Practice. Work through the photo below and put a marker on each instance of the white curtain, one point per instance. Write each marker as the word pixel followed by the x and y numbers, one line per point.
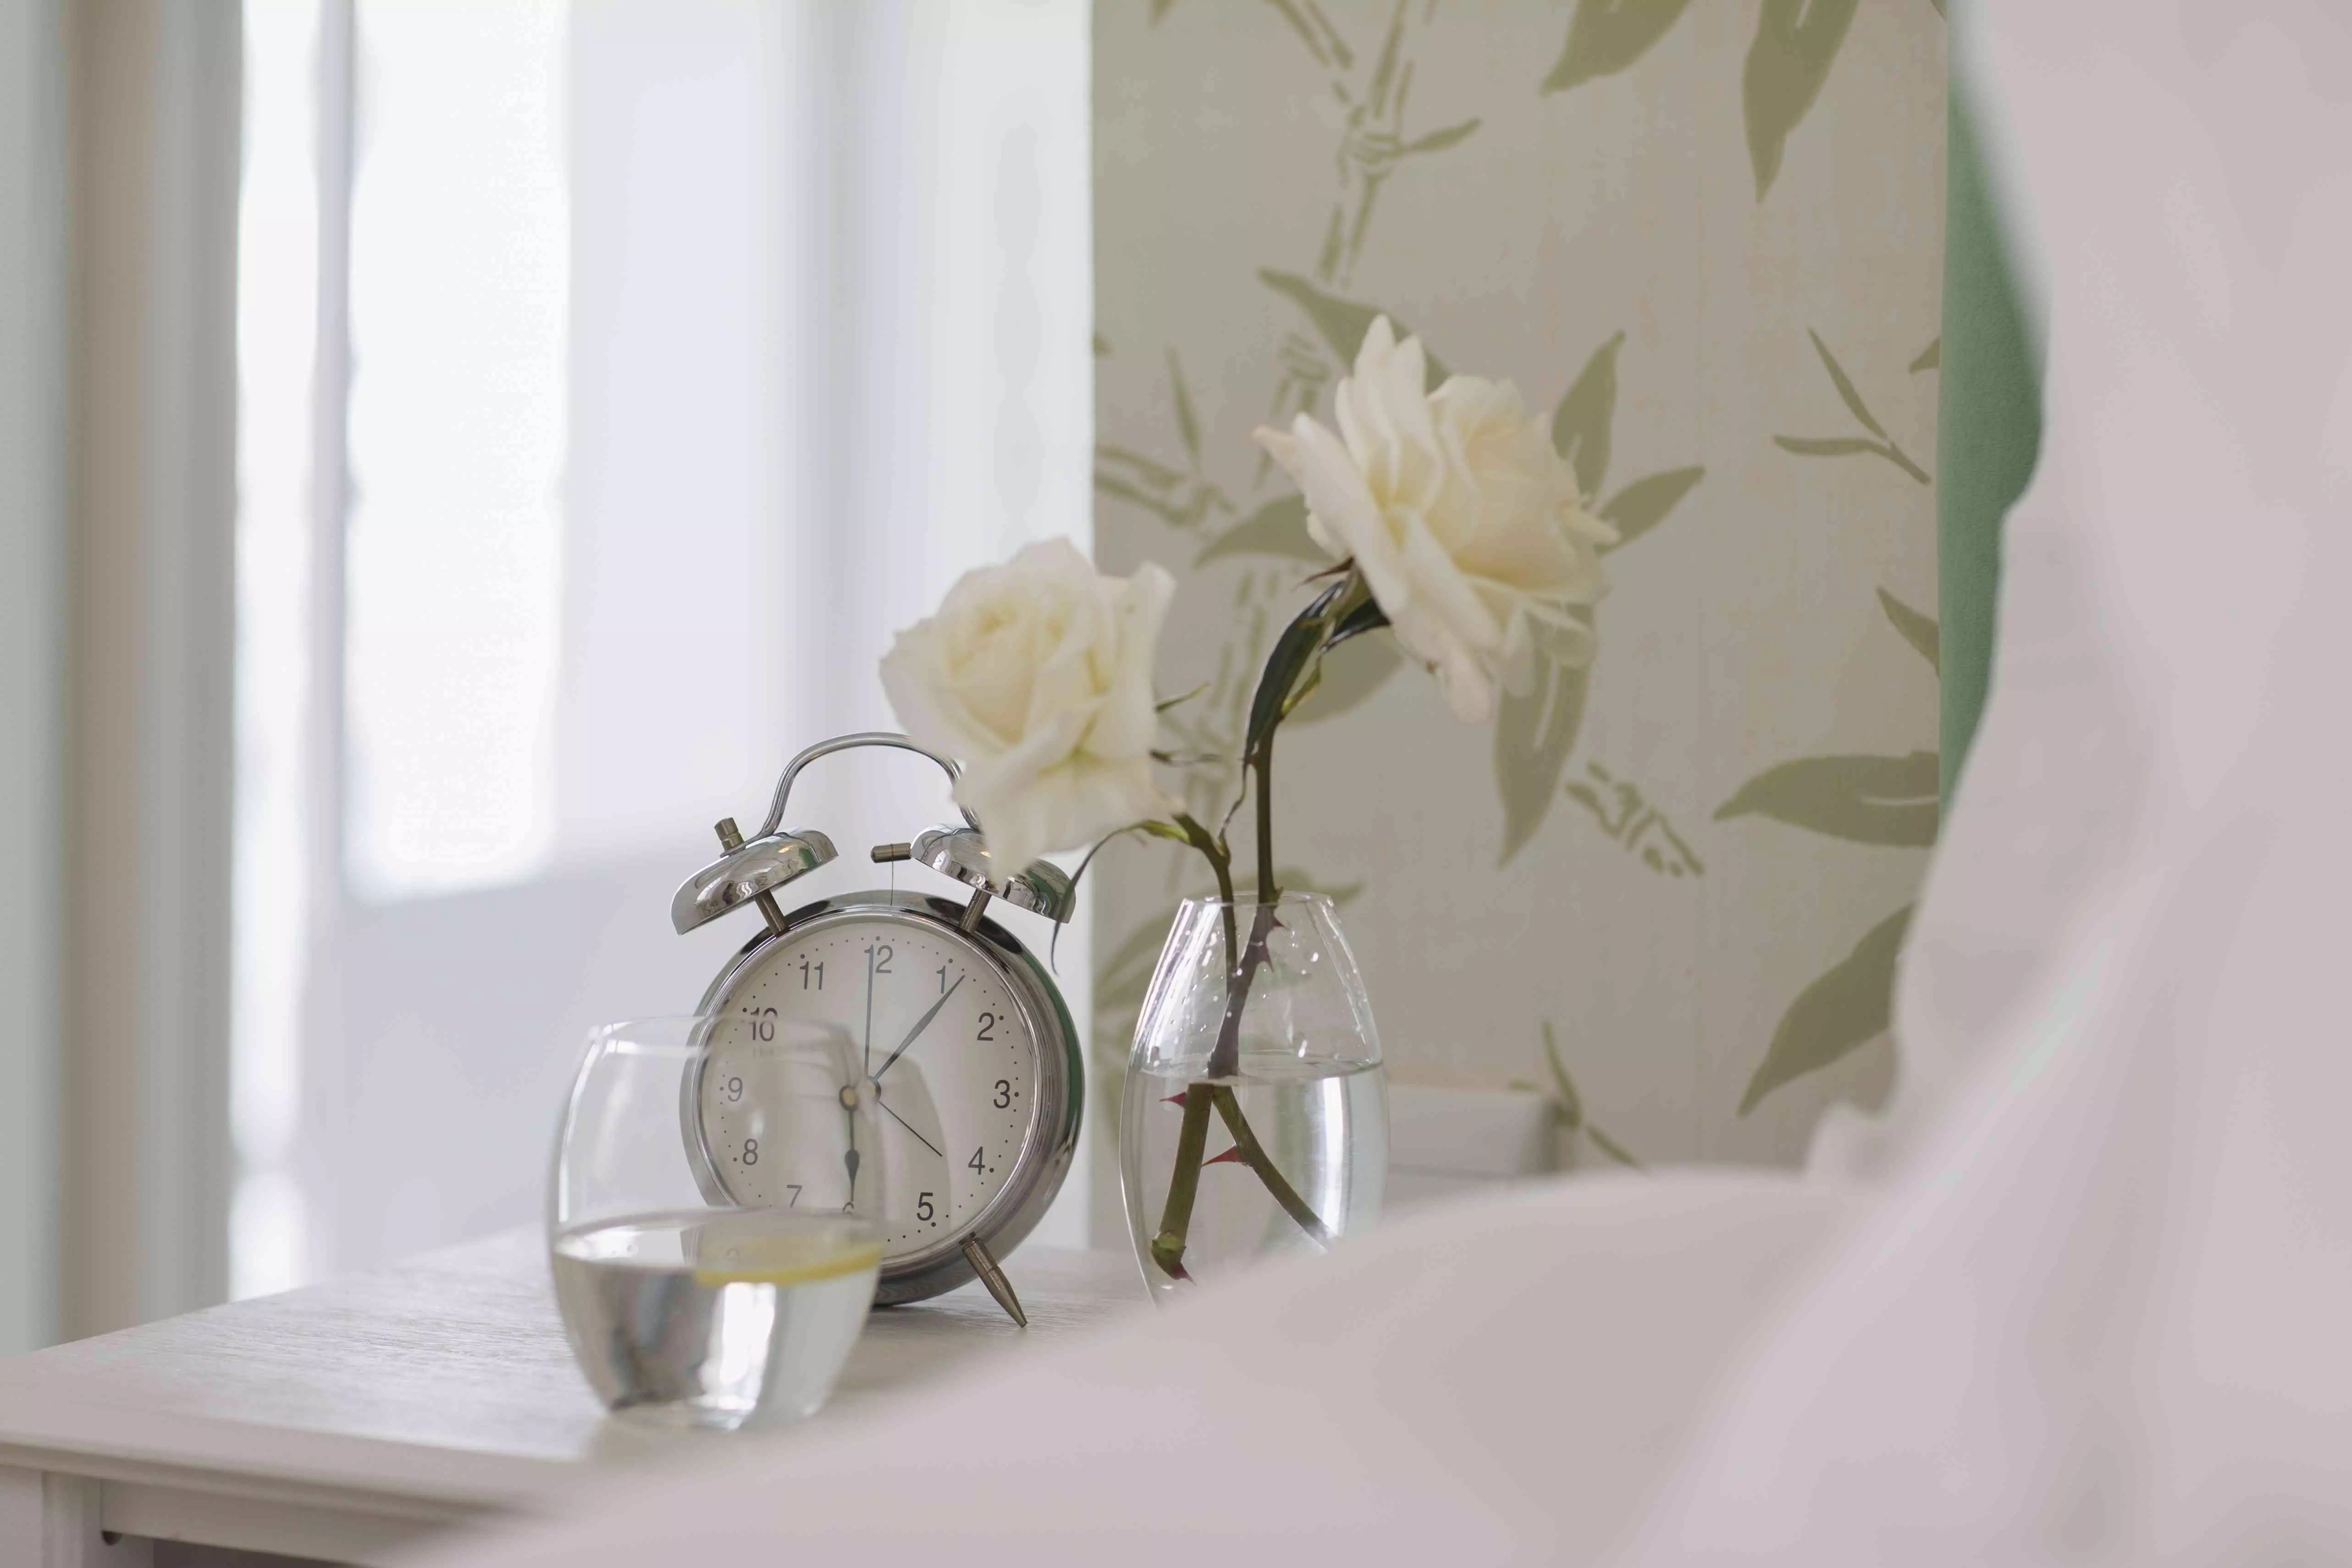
pixel 694 348
pixel 2099 1316
pixel 33 299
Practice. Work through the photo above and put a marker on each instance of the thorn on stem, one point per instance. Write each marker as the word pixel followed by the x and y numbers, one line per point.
pixel 1169 1253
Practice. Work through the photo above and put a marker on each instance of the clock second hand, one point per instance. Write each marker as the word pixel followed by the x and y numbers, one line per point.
pixel 907 1124
pixel 920 1024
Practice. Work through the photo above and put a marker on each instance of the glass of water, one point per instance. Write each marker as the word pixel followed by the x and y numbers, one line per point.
pixel 692 1295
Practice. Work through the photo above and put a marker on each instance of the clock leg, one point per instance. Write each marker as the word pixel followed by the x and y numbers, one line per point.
pixel 993 1277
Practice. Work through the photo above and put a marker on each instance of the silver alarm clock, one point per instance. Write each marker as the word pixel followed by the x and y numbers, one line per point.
pixel 960 1080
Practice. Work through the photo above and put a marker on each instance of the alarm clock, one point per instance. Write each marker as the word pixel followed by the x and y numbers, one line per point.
pixel 960 1079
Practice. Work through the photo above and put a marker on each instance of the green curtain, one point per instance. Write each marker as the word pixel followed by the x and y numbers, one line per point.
pixel 1989 430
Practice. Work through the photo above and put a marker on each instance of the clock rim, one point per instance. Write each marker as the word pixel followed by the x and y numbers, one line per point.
pixel 1047 1148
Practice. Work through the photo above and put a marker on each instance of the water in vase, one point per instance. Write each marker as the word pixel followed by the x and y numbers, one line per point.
pixel 1322 1123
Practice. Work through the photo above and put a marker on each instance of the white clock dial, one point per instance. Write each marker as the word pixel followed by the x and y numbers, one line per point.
pixel 919 1105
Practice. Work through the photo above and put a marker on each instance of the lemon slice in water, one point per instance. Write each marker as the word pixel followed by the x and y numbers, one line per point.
pixel 742 1255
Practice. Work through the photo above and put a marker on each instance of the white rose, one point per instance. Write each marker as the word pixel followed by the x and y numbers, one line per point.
pixel 1461 514
pixel 1037 674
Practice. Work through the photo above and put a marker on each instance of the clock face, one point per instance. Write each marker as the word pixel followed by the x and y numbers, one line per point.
pixel 873 1064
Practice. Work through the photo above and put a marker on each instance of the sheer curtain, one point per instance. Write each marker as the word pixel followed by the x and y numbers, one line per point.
pixel 680 352
pixel 33 290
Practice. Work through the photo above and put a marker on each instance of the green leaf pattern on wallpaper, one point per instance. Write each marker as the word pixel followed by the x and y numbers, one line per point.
pixel 1788 61
pixel 1277 528
pixel 1606 36
pixel 1342 323
pixel 1879 444
pixel 1866 800
pixel 1837 1014
pixel 1536 730
pixel 1627 819
pixel 1878 800
pixel 1919 630
pixel 1797 41
pixel 1253 529
pixel 1568 1105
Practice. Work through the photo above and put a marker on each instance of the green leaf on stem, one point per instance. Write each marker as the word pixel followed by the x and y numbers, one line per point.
pixel 1367 617
pixel 1289 662
pixel 1839 1013
pixel 1351 678
pixel 1930 358
pixel 1866 800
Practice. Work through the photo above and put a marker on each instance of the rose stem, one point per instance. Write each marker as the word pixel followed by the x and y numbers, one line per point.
pixel 1191 1139
pixel 1255 1156
pixel 1224 1061
pixel 1168 1246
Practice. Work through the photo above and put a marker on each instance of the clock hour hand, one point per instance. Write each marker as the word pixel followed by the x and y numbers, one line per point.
pixel 920 1024
pixel 849 1160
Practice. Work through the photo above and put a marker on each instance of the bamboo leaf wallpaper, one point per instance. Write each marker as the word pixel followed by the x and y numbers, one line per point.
pixel 1708 238
pixel 1869 800
pixel 1579 425
pixel 1919 630
pixel 1606 36
pixel 1836 1015
pixel 1883 445
pixel 1797 41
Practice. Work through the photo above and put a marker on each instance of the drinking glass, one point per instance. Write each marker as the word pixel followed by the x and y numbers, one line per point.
pixel 684 1303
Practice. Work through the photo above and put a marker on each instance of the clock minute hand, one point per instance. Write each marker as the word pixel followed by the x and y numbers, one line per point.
pixel 920 1024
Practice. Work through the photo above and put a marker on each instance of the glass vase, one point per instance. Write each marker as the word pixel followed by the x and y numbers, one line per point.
pixel 1254 1123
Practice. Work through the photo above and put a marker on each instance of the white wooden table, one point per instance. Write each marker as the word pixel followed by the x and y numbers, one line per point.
pixel 354 1419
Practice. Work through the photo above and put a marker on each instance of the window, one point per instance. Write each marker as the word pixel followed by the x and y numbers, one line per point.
pixel 615 380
